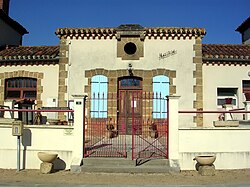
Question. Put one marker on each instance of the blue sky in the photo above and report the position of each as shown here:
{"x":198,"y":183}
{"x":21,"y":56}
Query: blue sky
{"x":41,"y":18}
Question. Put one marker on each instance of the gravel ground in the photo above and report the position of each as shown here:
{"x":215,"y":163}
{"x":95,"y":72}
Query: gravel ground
{"x":67,"y":177}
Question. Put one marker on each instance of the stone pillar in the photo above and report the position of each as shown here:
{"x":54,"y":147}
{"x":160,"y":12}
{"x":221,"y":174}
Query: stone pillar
{"x":247,"y":108}
{"x":63,"y":76}
{"x":228,"y":107}
{"x":174,"y":131}
{"x":79,"y":127}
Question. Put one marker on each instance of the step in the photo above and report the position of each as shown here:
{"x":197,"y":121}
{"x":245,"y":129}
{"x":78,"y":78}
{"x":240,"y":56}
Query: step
{"x":127,"y":169}
{"x":125,"y":161}
{"x":124,"y":165}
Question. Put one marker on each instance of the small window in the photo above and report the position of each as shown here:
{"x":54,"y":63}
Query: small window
{"x":130,"y":82}
{"x":99,"y":91}
{"x":246,"y":89}
{"x":130,"y":48}
{"x":226,"y":95}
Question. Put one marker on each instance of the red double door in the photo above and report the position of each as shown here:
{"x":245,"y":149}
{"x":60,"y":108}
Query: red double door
{"x":130,"y":112}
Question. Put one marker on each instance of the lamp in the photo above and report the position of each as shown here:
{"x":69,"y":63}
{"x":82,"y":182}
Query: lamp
{"x":130,"y":70}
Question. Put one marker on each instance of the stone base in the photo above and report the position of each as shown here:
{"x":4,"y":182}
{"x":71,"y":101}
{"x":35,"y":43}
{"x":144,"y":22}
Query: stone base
{"x":76,"y":165}
{"x":207,"y":170}
{"x":46,"y":167}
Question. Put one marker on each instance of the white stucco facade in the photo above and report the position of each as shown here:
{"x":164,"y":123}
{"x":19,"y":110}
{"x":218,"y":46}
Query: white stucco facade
{"x":175,"y":53}
{"x":49,"y":79}
{"x":222,"y":76}
{"x":91,"y":54}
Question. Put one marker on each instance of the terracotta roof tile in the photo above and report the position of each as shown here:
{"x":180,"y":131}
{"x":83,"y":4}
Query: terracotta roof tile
{"x":226,"y":54}
{"x":24,"y":54}
{"x":27,"y":52}
{"x":153,"y":32}
{"x":226,"y":51}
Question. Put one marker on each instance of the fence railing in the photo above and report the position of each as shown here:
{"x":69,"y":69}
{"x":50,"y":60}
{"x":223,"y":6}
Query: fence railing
{"x":221,"y":115}
{"x":39,"y":116}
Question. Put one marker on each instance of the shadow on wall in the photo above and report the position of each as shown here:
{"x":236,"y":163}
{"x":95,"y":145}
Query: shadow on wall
{"x":26,"y":141}
{"x":59,"y":164}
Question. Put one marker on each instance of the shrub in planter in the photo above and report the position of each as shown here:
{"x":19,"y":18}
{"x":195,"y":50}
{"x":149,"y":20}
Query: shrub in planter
{"x":228,"y":101}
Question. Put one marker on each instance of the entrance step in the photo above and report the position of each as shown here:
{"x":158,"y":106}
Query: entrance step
{"x":125,"y":165}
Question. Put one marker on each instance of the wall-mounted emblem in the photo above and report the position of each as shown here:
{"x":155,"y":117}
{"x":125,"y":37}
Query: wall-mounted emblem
{"x":167,"y":54}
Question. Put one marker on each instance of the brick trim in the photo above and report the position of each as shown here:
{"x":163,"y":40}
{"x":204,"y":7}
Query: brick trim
{"x":22,"y":73}
{"x":113,"y":76}
{"x":198,"y":87}
{"x":63,"y":75}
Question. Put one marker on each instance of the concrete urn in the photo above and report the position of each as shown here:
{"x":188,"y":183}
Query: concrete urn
{"x":47,"y":156}
{"x":205,"y":160}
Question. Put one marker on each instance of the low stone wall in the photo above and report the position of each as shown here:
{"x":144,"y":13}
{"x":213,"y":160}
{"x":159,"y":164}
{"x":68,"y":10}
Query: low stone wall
{"x":229,"y":144}
{"x":59,"y":139}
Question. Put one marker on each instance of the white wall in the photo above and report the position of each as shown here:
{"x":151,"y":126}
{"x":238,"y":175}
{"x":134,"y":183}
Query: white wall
{"x":67,"y":141}
{"x":37,"y":138}
{"x":91,"y":54}
{"x":230,"y":145}
{"x":224,"y":77}
{"x":49,"y":80}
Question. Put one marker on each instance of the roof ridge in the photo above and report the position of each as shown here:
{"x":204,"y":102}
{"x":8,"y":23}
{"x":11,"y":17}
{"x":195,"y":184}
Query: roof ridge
{"x":23,"y":46}
{"x":150,"y":32}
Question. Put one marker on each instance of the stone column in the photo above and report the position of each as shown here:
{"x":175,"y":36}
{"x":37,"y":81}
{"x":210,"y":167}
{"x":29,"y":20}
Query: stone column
{"x":79,"y":128}
{"x":63,"y":76}
{"x":247,"y":108}
{"x":228,"y":107}
{"x":174,"y":131}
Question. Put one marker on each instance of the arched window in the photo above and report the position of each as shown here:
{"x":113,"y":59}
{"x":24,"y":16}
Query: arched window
{"x":161,"y":90}
{"x":99,"y":92}
{"x":20,"y":87}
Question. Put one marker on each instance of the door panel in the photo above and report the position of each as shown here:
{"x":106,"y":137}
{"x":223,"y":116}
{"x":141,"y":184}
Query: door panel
{"x":130,"y":108}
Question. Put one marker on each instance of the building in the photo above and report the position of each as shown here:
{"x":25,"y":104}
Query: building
{"x":152,"y":84}
{"x":244,"y":29}
{"x":11,"y":31}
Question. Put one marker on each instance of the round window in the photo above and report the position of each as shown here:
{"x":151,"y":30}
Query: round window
{"x":130,"y":48}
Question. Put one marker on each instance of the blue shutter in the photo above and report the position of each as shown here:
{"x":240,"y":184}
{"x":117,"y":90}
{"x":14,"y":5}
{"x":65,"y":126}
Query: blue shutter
{"x":161,"y":90}
{"x":99,"y":91}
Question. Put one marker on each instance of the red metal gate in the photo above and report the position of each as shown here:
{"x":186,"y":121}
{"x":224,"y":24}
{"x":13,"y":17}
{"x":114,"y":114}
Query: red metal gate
{"x":150,"y":132}
{"x":112,"y":120}
{"x":104,"y":132}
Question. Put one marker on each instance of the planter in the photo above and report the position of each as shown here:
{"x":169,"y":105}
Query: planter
{"x":153,"y":134}
{"x":205,"y":160}
{"x":111,"y":134}
{"x":247,"y":95}
{"x":53,"y":121}
{"x":229,"y":123}
{"x":228,"y":101}
{"x":47,"y":157}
